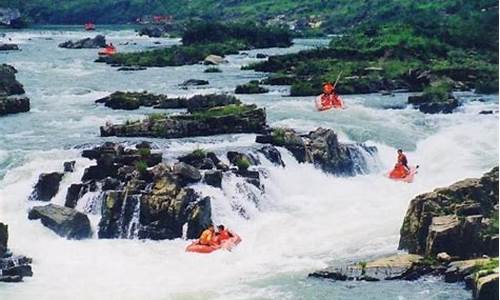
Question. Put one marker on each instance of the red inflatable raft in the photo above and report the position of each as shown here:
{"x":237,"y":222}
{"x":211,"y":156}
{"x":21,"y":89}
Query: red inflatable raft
{"x":328,"y":101}
{"x":228,"y":244}
{"x":399,"y":173}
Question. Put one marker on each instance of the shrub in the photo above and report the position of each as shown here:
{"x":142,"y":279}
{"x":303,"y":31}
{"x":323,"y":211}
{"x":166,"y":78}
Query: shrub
{"x":144,"y":152}
{"x":199,"y":153}
{"x":141,"y":166}
{"x":278,"y":136}
{"x":242,"y":163}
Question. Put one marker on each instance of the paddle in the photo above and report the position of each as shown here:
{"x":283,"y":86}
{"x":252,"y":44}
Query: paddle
{"x":336,"y":81}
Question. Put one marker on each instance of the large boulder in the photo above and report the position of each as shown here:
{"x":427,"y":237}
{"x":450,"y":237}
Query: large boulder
{"x":214,"y":121}
{"x":386,"y":268}
{"x":64,"y":221}
{"x":47,"y":186}
{"x":214,"y":60}
{"x":486,"y":287}
{"x":252,"y":87}
{"x":13,"y":105}
{"x":188,"y":173}
{"x":8,"y":83}
{"x":8,"y":47}
{"x":10,"y":88}
{"x":456,"y":219}
{"x":199,"y":217}
{"x":99,"y":41}
{"x":131,"y":100}
{"x":322,"y":148}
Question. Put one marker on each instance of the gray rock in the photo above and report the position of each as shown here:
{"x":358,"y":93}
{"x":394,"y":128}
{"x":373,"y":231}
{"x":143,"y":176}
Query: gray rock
{"x":47,"y":186}
{"x":64,"y":221}
{"x":69,"y":166}
{"x":99,"y":41}
{"x":188,"y":173}
{"x":213,"y":178}
{"x":8,"y":47}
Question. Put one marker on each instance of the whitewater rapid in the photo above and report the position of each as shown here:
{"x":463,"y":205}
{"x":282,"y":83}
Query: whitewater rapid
{"x":305,"y":219}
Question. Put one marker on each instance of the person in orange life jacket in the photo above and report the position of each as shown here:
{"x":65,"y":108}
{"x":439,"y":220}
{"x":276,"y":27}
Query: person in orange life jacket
{"x":207,"y":236}
{"x":329,"y":96}
{"x":403,"y":161}
{"x":223,"y":234}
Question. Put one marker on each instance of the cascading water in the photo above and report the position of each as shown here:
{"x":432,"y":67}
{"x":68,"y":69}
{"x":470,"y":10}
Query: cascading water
{"x":304,"y":219}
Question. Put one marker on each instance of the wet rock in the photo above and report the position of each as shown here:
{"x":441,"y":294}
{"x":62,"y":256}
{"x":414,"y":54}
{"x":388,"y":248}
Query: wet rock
{"x":13,"y":105}
{"x":131,"y":68}
{"x":214,"y":60}
{"x":188,"y":173}
{"x":99,"y":41}
{"x":47,"y":186}
{"x":439,"y":221}
{"x":244,"y":119}
{"x":199,"y":103}
{"x":8,"y":83}
{"x":4,"y":237}
{"x":199,"y":217}
{"x":252,"y":87}
{"x":69,"y":166}
{"x":437,"y":98}
{"x":237,"y":158}
{"x":131,"y":100}
{"x":110,"y":183}
{"x":194,"y":82}
{"x":64,"y":221}
{"x":8,"y":47}
{"x":252,"y":177}
{"x":272,"y":154}
{"x":387,"y":268}
{"x":260,"y":55}
{"x":10,"y":88}
{"x":75,"y":192}
{"x":213,"y":178}
{"x":486,"y":287}
{"x":153,"y":31}
{"x":322,"y":148}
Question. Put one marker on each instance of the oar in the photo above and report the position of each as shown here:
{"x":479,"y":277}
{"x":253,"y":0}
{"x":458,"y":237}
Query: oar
{"x":336,"y":81}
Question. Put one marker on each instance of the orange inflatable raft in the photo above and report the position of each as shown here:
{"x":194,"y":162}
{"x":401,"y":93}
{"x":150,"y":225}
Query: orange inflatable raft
{"x":228,"y":244}
{"x":108,"y":51}
{"x":399,"y":173}
{"x":328,"y":101}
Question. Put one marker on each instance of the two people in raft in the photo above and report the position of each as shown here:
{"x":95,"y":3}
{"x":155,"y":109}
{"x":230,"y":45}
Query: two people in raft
{"x":210,"y":237}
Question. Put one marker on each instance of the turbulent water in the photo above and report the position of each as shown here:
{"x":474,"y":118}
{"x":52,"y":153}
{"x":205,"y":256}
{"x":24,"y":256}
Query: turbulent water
{"x":304,"y":221}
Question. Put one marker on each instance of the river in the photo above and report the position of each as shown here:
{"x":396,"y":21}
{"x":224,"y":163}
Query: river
{"x":305,"y":220}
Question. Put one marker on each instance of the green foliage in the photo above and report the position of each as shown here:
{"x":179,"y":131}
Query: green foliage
{"x":493,"y":226}
{"x":221,"y":111}
{"x":438,"y":91}
{"x":141,"y":166}
{"x":175,"y":55}
{"x":305,"y":88}
{"x":199,"y":153}
{"x":144,"y":152}
{"x":248,"y":34}
{"x":242,"y":163}
{"x":157,"y":116}
{"x":278,"y":136}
